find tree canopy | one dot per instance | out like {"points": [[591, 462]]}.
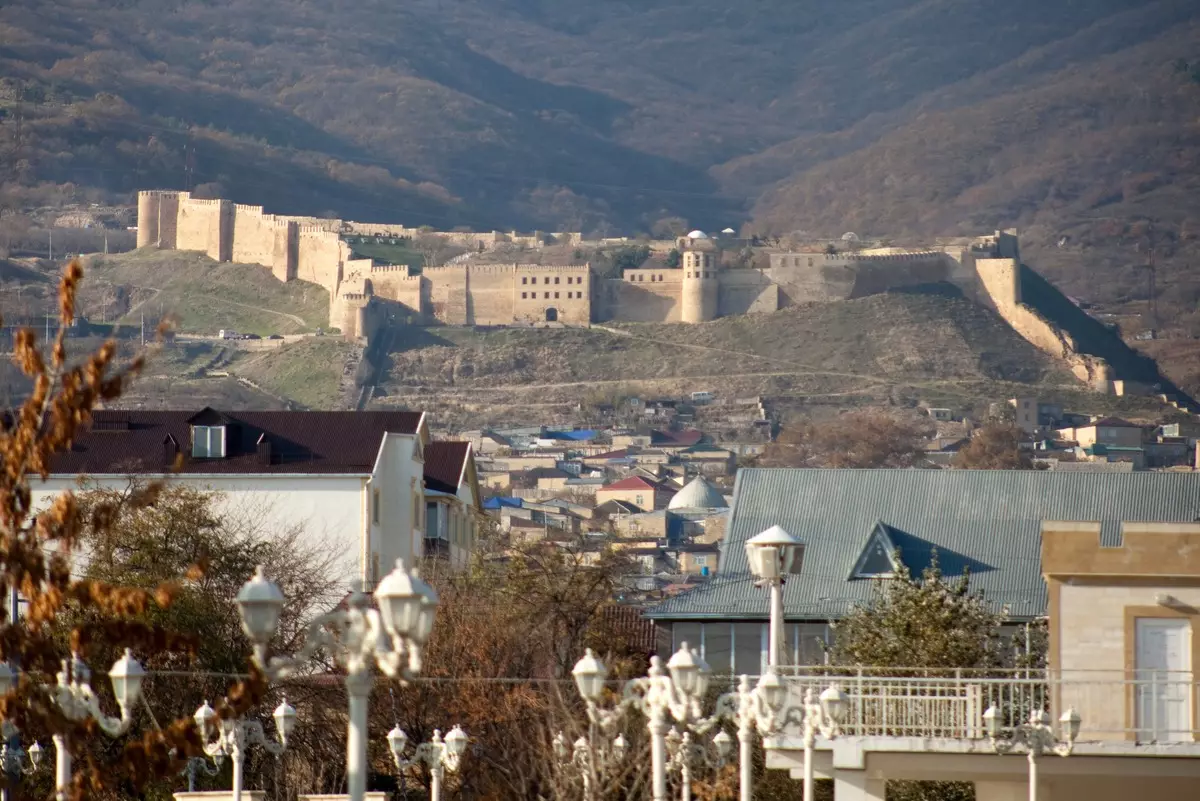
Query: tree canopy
{"points": [[856, 439]]}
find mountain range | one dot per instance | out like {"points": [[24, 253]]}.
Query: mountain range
{"points": [[886, 117]]}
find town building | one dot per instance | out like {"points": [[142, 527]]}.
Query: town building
{"points": [[354, 483]]}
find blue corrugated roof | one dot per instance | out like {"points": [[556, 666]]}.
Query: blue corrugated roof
{"points": [[497, 502], [986, 520], [582, 435]]}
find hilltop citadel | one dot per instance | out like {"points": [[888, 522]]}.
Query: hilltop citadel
{"points": [[366, 295]]}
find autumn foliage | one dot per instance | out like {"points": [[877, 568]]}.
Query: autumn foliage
{"points": [[37, 546]]}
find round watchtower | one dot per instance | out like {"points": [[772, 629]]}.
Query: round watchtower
{"points": [[147, 218], [701, 286]]}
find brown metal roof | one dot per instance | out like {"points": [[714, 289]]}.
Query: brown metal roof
{"points": [[291, 442], [445, 462]]}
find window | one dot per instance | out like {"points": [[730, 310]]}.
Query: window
{"points": [[556, 296], [375, 507], [660, 277], [640, 501], [689, 275], [417, 506], [523, 294], [524, 279], [701, 561], [546, 279], [547, 296], [556, 279], [208, 442]]}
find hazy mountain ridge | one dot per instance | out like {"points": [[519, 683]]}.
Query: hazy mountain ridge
{"points": [[568, 114]]}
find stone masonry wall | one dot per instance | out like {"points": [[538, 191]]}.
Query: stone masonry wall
{"points": [[646, 296], [746, 292]]}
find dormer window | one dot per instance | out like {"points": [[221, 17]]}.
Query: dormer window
{"points": [[208, 442]]}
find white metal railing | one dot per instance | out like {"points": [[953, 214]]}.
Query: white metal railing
{"points": [[1143, 706]]}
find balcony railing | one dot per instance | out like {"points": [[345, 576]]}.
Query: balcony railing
{"points": [[1142, 706]]}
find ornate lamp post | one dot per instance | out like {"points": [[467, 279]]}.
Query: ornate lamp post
{"points": [[683, 752], [756, 707], [1037, 736], [232, 737], [772, 555], [822, 714], [676, 690], [438, 755], [360, 638], [588, 759], [200, 764], [75, 698], [13, 760]]}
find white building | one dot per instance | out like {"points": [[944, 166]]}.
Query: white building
{"points": [[354, 482]]}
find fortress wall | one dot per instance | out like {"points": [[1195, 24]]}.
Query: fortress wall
{"points": [[396, 282], [646, 301], [447, 293], [205, 225], [490, 294], [168, 219], [285, 249], [873, 276], [817, 284], [253, 236], [746, 292], [319, 257]]}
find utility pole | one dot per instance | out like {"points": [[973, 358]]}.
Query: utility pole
{"points": [[143, 329], [50, 254], [1153, 289]]}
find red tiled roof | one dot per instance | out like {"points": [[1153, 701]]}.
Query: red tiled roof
{"points": [[444, 465], [631, 483], [300, 442], [621, 454]]}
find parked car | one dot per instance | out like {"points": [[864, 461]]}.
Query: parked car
{"points": [[251, 336], [275, 336]]}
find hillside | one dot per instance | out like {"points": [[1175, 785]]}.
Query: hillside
{"points": [[569, 114], [894, 348]]}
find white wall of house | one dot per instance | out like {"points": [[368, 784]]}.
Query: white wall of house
{"points": [[328, 508], [396, 484]]}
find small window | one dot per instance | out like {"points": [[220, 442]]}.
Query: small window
{"points": [[547, 295], [556, 296], [524, 279], [546, 279], [523, 294], [556, 279], [701, 561], [639, 501], [375, 507], [208, 442]]}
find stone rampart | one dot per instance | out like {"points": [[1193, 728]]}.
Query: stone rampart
{"points": [[746, 292]]}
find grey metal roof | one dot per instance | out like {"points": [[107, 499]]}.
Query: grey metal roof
{"points": [[986, 520]]}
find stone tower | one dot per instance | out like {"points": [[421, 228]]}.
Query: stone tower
{"points": [[701, 286]]}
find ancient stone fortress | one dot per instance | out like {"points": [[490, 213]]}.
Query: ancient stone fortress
{"points": [[365, 295]]}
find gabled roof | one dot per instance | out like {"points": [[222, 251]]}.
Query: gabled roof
{"points": [[126, 442], [987, 521], [632, 483], [619, 454], [545, 472], [446, 465], [502, 502], [1111, 422], [878, 557], [676, 439], [617, 506]]}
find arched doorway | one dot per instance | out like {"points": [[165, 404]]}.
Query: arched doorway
{"points": [[552, 315]]}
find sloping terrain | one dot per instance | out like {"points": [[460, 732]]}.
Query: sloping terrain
{"points": [[894, 348], [916, 115]]}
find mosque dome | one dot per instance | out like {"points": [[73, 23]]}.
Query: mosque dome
{"points": [[698, 494], [697, 234]]}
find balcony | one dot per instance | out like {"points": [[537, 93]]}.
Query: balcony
{"points": [[1151, 708]]}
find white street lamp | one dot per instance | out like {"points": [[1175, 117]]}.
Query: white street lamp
{"points": [[756, 708], [773, 555], [233, 736], [676, 690], [683, 752], [360, 638], [1037, 736], [588, 760], [438, 755], [74, 697]]}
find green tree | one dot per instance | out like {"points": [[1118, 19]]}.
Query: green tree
{"points": [[629, 257], [674, 258], [930, 621]]}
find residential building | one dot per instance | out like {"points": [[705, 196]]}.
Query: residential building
{"points": [[352, 483], [857, 523], [1105, 431], [644, 493], [452, 502]]}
